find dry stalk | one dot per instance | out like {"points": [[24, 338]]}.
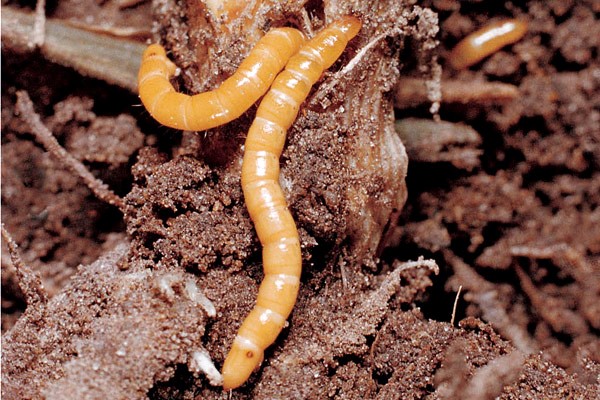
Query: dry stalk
{"points": [[43, 135], [29, 281]]}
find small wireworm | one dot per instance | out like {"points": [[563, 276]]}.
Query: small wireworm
{"points": [[224, 104], [487, 40], [275, 227]]}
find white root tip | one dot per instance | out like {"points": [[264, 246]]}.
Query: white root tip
{"points": [[196, 295], [201, 362]]}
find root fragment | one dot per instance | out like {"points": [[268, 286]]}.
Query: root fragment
{"points": [[552, 310], [29, 281], [455, 304], [196, 295], [440, 141], [410, 92], [39, 25], [201, 362], [43, 135]]}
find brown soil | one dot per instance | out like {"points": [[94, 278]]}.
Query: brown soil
{"points": [[504, 198]]}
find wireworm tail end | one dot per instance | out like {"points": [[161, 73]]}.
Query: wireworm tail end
{"points": [[157, 52], [326, 47], [350, 25], [154, 50]]}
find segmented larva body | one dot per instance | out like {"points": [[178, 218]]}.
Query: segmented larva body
{"points": [[275, 227], [224, 104], [491, 38]]}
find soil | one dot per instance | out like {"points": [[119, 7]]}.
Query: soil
{"points": [[498, 209]]}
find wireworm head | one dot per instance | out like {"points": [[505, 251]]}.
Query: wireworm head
{"points": [[243, 358]]}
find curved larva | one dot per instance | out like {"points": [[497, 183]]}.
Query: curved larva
{"points": [[491, 38], [275, 227], [224, 104]]}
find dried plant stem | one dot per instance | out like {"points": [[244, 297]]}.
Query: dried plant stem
{"points": [[419, 263], [43, 135], [39, 24], [29, 281], [113, 60], [552, 309], [122, 4], [440, 141], [410, 92], [455, 304]]}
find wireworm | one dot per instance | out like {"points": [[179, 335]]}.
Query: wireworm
{"points": [[224, 104], [485, 41], [275, 227]]}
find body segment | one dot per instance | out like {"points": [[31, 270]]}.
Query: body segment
{"points": [[224, 104], [275, 227]]}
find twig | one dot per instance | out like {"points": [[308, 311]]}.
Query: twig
{"points": [[440, 141], [113, 60], [106, 29], [410, 92], [420, 263], [373, 382], [558, 253], [43, 135], [122, 4], [551, 309], [29, 281], [455, 304], [39, 24]]}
